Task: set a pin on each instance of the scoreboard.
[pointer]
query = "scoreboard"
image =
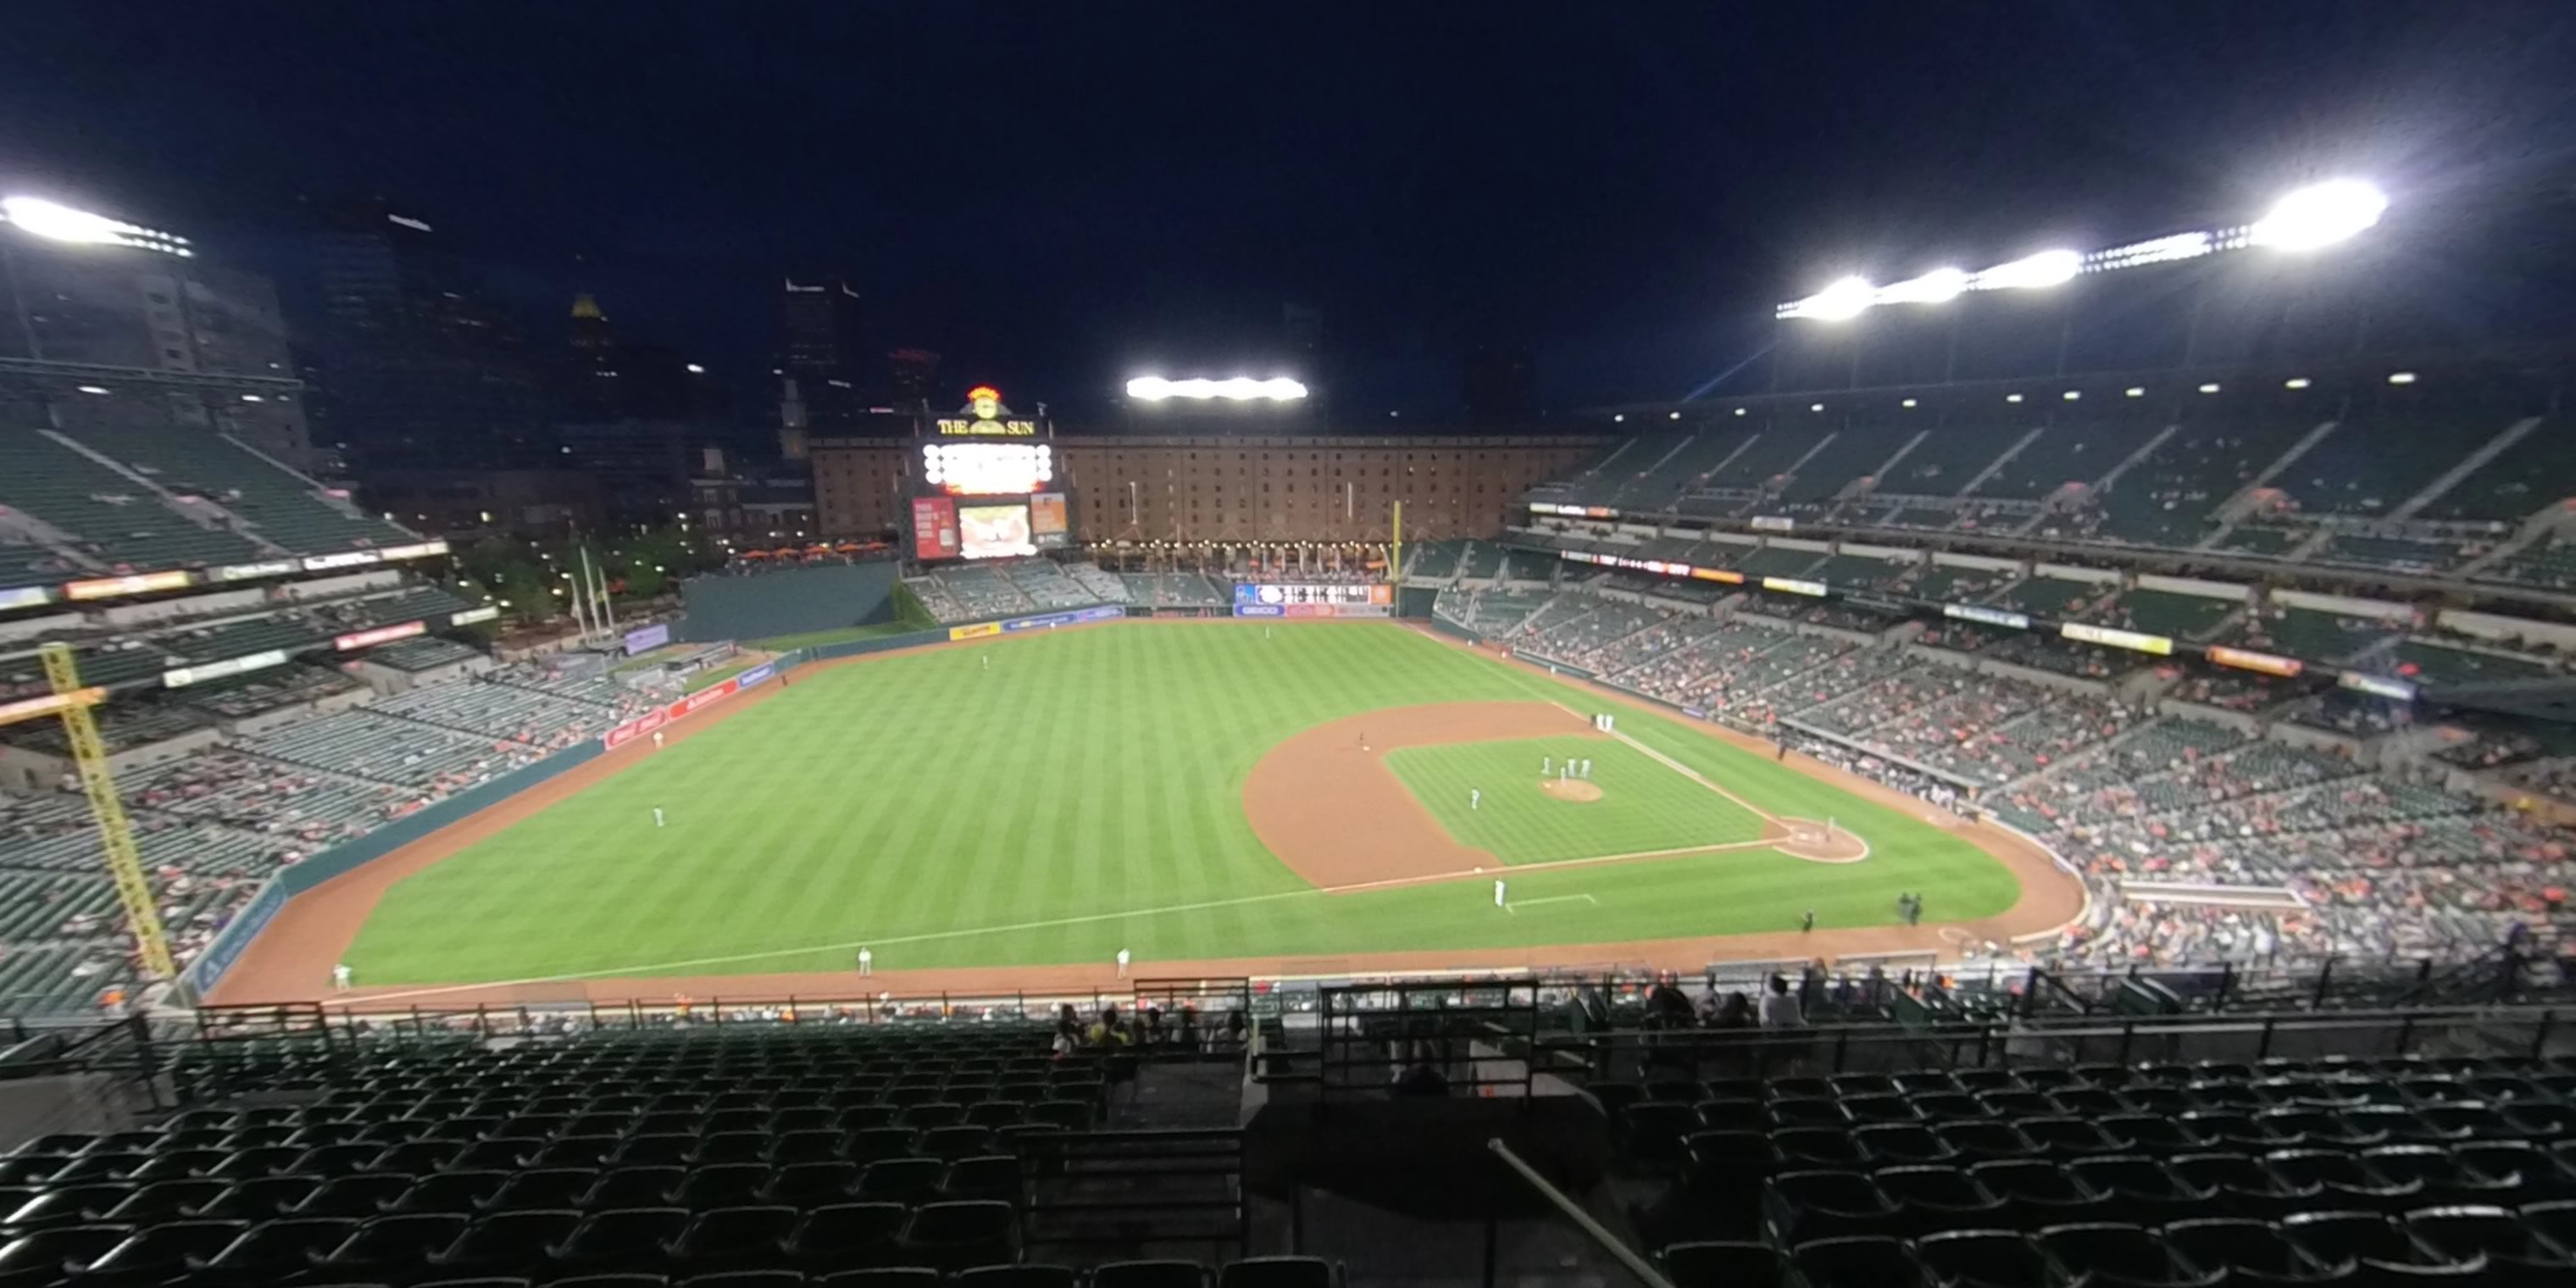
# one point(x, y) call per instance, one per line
point(1322, 599)
point(988, 487)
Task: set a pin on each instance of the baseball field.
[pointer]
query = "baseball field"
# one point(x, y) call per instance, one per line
point(1201, 794)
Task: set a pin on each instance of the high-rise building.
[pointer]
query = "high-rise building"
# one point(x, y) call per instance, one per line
point(822, 358)
point(109, 323)
point(418, 373)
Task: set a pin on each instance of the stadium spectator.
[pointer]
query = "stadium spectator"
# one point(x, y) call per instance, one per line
point(1780, 1008)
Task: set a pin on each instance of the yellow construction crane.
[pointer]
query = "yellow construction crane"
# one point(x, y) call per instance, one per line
point(70, 702)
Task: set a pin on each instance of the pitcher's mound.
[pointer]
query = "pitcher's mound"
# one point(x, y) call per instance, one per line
point(1821, 842)
point(1570, 789)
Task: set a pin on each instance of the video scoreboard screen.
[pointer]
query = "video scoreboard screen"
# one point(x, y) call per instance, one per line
point(988, 487)
point(1325, 599)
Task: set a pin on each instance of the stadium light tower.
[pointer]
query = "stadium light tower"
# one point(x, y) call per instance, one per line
point(2307, 219)
point(54, 221)
point(1236, 389)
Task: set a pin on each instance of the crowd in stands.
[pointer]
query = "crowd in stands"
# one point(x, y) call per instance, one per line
point(213, 824)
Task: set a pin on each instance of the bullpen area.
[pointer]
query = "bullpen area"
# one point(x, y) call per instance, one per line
point(1216, 798)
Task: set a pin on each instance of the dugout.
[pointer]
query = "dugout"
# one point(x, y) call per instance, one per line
point(787, 601)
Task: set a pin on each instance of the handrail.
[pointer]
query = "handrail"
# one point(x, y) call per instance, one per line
point(1610, 1243)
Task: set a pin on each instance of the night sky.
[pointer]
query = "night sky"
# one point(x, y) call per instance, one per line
point(1055, 196)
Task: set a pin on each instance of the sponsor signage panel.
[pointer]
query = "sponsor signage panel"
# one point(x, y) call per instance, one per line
point(472, 615)
point(2249, 660)
point(1793, 586)
point(143, 583)
point(182, 676)
point(2379, 686)
point(647, 638)
point(1989, 616)
point(379, 635)
point(422, 550)
point(344, 559)
point(934, 528)
point(1727, 575)
point(1773, 523)
point(49, 704)
point(24, 597)
point(267, 568)
point(754, 676)
point(975, 632)
point(2131, 640)
point(1105, 612)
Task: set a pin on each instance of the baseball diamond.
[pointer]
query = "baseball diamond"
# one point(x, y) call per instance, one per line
point(1210, 796)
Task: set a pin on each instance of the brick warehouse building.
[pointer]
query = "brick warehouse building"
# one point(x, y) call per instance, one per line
point(1303, 487)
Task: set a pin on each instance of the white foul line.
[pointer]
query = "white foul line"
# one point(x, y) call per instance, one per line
point(1689, 773)
point(1554, 898)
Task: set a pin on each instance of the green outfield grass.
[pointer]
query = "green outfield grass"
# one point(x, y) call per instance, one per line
point(1645, 806)
point(1083, 794)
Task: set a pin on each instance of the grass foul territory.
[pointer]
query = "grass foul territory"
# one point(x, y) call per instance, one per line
point(1054, 797)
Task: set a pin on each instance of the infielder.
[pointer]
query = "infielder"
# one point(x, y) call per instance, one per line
point(657, 816)
point(1546, 765)
point(340, 977)
point(867, 962)
point(1587, 768)
point(1475, 798)
point(1498, 894)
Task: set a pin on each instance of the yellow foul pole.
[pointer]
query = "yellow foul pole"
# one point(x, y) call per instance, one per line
point(116, 836)
point(1395, 550)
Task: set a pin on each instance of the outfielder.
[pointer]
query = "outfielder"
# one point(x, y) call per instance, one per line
point(657, 816)
point(1475, 798)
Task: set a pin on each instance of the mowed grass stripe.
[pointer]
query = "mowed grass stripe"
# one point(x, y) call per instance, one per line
point(1088, 773)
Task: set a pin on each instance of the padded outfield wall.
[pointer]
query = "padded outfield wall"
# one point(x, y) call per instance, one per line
point(792, 601)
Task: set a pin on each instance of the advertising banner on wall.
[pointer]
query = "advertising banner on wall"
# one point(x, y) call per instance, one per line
point(2249, 660)
point(182, 676)
point(23, 597)
point(934, 528)
point(1989, 616)
point(2133, 640)
point(1103, 613)
point(138, 584)
point(380, 635)
point(648, 638)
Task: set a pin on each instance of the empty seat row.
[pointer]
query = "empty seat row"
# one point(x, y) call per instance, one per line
point(369, 1193)
point(2441, 1246)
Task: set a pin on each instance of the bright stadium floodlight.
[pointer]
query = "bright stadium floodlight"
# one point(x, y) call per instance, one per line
point(2401, 377)
point(2312, 217)
point(1939, 286)
point(2319, 215)
point(2031, 272)
point(1232, 389)
point(1841, 301)
point(2135, 391)
point(54, 221)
